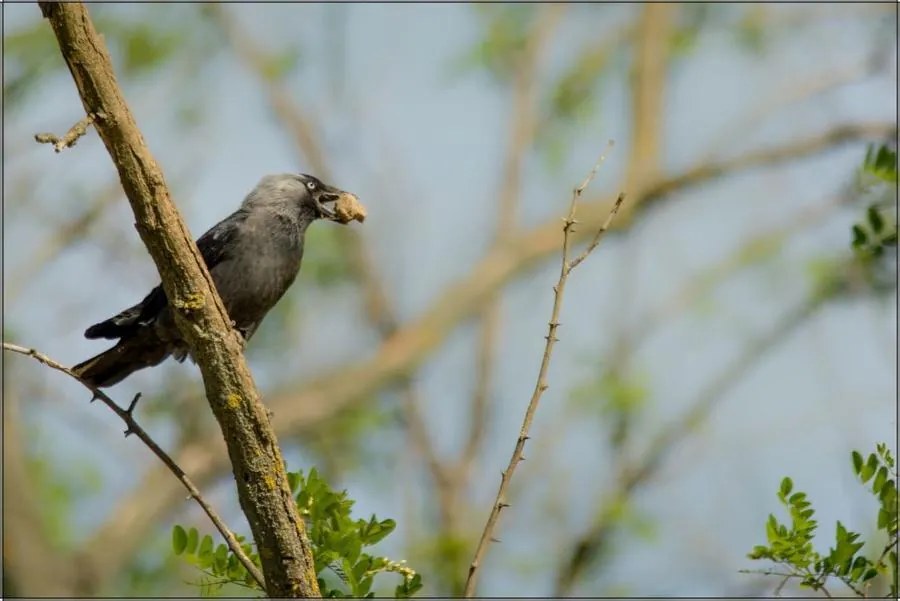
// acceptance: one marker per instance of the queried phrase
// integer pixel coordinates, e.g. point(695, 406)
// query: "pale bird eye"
point(311, 185)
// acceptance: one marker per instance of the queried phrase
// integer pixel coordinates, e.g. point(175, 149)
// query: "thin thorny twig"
point(126, 415)
point(541, 385)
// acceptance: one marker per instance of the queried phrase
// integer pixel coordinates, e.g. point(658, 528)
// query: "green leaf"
point(798, 500)
point(378, 530)
point(857, 461)
point(875, 219)
point(192, 538)
point(786, 486)
point(206, 546)
point(408, 587)
point(859, 236)
point(179, 539)
point(294, 480)
point(220, 560)
point(868, 470)
point(880, 479)
point(236, 570)
point(881, 163)
point(885, 453)
point(365, 585)
point(772, 529)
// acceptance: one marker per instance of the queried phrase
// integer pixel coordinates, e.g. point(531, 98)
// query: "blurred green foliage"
point(59, 490)
point(871, 269)
point(171, 37)
point(279, 65)
point(324, 260)
point(877, 231)
point(504, 35)
point(447, 554)
point(690, 21)
point(351, 440)
point(29, 57)
point(881, 163)
point(615, 397)
point(791, 545)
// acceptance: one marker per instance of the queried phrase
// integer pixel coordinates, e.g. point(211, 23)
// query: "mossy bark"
point(252, 447)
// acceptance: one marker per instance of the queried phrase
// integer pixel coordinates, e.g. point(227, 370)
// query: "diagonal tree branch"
point(263, 489)
point(132, 427)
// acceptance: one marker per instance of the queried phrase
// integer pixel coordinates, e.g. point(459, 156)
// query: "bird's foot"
point(242, 335)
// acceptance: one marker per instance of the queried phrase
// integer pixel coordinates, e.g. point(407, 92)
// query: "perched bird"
point(253, 256)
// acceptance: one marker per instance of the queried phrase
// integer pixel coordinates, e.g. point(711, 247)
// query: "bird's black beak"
point(322, 205)
point(327, 200)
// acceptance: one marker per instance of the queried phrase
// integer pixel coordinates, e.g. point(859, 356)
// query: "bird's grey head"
point(298, 194)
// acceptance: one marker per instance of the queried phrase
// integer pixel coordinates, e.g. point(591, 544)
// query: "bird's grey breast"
point(265, 260)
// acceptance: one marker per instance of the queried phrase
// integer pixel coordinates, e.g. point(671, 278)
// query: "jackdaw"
point(253, 256)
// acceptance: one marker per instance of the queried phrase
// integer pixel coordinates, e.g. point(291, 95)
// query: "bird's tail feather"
point(112, 366)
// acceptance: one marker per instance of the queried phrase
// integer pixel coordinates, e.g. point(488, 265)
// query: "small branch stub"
point(71, 137)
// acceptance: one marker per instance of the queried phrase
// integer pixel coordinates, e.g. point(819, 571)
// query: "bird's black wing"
point(215, 244)
point(214, 247)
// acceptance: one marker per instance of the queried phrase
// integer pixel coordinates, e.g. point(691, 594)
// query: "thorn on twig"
point(94, 397)
point(130, 415)
point(130, 410)
point(541, 385)
point(495, 540)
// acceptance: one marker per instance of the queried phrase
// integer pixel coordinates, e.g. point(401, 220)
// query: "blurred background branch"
point(396, 366)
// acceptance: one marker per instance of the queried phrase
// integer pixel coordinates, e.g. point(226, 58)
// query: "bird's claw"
point(242, 336)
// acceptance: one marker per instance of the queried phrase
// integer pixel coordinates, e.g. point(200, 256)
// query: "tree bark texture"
point(256, 459)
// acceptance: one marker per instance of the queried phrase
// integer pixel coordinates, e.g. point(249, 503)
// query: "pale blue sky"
point(422, 148)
